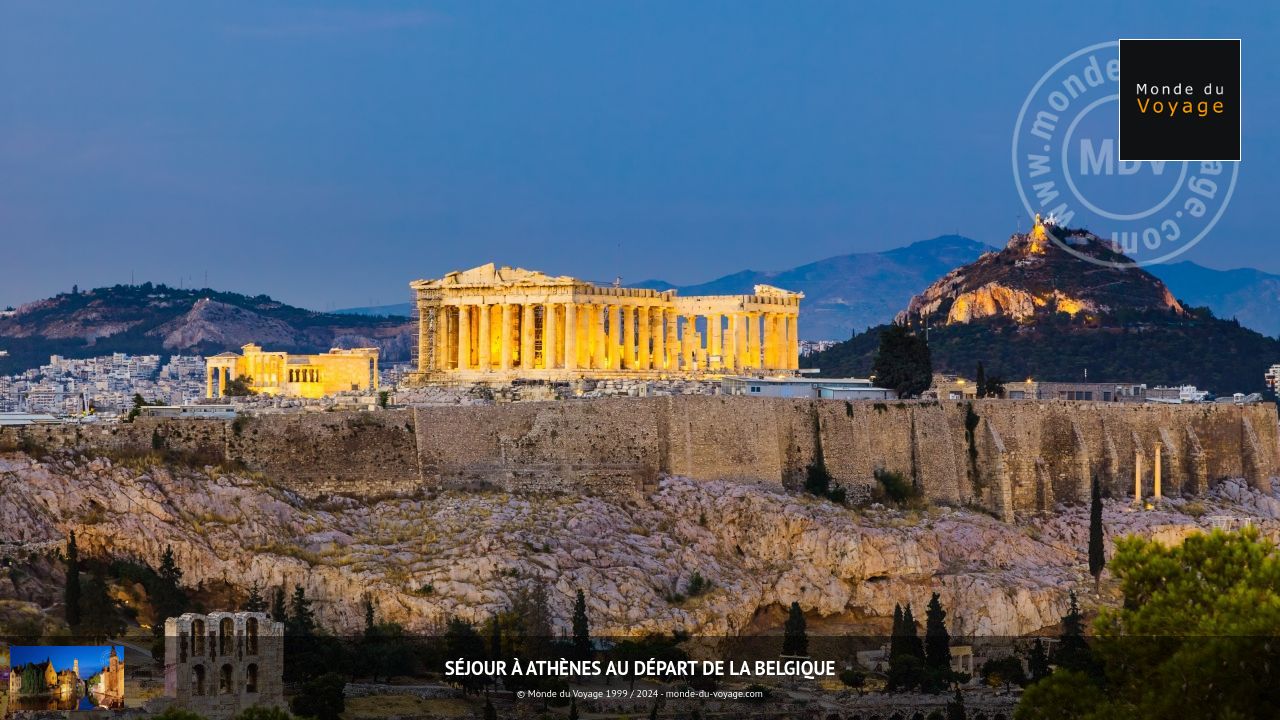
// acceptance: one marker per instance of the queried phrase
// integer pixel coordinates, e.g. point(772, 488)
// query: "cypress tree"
point(955, 708)
point(1038, 662)
point(489, 712)
point(255, 602)
point(71, 596)
point(368, 616)
point(911, 634)
point(278, 612)
point(981, 381)
point(495, 638)
point(937, 645)
point(302, 620)
point(895, 639)
point(581, 628)
point(1073, 652)
point(795, 641)
point(1097, 555)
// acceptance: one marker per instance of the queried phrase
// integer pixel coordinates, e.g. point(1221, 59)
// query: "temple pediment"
point(771, 291)
point(490, 275)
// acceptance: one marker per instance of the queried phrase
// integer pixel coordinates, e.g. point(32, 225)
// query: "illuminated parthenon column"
point(500, 324)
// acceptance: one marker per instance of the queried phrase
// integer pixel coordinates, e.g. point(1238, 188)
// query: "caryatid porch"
point(501, 324)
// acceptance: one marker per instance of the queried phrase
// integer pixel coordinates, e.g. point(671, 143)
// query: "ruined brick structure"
point(219, 664)
point(1008, 456)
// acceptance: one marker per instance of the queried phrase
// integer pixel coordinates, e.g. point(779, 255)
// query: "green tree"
point(462, 642)
point(490, 713)
point(258, 712)
point(278, 611)
point(98, 615)
point(980, 381)
point(955, 708)
point(301, 621)
point(71, 595)
point(573, 709)
point(239, 386)
point(1004, 671)
point(581, 628)
point(1037, 662)
point(174, 712)
point(1073, 652)
point(321, 698)
point(1193, 638)
point(1097, 551)
point(906, 654)
point(255, 602)
point(937, 646)
point(903, 363)
point(795, 640)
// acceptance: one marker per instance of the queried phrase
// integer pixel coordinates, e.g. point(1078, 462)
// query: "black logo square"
point(1179, 99)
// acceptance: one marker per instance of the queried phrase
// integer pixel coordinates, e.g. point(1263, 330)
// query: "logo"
point(1067, 167)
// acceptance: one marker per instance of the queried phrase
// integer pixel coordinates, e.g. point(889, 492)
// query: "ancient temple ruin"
point(498, 324)
point(219, 664)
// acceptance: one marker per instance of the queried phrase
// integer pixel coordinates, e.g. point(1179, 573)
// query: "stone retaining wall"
point(1006, 455)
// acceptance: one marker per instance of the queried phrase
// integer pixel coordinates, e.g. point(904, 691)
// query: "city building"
point(207, 412)
point(953, 387)
point(1273, 378)
point(282, 373)
point(491, 324)
point(802, 387)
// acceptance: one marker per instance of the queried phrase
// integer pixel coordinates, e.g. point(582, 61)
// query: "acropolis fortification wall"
point(1009, 456)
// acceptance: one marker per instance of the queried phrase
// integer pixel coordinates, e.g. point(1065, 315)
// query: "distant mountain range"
point(155, 319)
point(849, 293)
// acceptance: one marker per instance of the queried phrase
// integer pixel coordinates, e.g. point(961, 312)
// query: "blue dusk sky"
point(93, 658)
point(328, 153)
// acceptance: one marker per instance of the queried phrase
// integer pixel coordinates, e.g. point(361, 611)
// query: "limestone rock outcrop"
point(431, 556)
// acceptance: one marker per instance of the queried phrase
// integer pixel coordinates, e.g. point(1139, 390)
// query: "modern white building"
point(211, 411)
point(824, 388)
point(1273, 378)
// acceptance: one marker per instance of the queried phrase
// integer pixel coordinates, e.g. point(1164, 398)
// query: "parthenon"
point(497, 324)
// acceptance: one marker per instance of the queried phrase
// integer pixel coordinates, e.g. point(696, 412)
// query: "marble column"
point(673, 340)
point(753, 340)
point(792, 341)
point(769, 340)
point(730, 344)
point(424, 320)
point(485, 339)
point(528, 323)
point(550, 339)
point(504, 336)
point(715, 344)
point(444, 338)
point(614, 360)
point(464, 337)
point(628, 337)
point(208, 381)
point(570, 336)
point(658, 329)
point(599, 341)
point(642, 342)
point(688, 343)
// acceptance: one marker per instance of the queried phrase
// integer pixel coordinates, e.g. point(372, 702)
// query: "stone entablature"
point(219, 664)
point(501, 324)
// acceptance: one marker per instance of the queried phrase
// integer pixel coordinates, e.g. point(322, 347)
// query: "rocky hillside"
point(1034, 278)
point(464, 554)
point(155, 319)
point(1033, 309)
